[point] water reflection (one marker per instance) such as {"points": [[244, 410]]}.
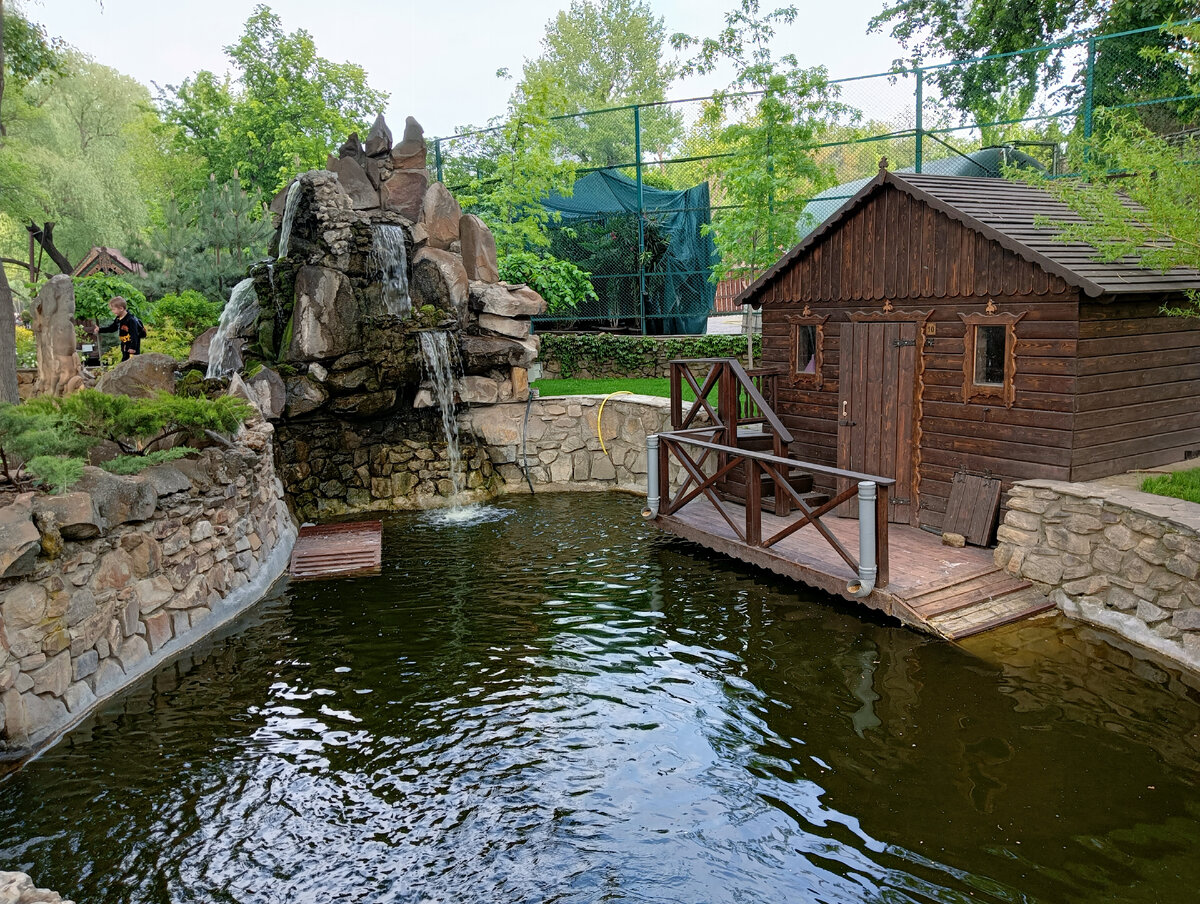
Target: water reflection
{"points": [[561, 705]]}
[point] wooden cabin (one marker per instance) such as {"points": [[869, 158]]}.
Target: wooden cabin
{"points": [[108, 261], [929, 328]]}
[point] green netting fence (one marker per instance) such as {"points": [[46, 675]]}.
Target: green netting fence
{"points": [[651, 175]]}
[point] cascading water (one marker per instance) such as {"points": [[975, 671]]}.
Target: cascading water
{"points": [[439, 360], [240, 311], [289, 216], [390, 260]]}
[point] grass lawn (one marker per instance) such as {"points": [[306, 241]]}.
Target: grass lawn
{"points": [[1180, 485], [651, 386]]}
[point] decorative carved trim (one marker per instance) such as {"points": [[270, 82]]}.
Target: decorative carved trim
{"points": [[976, 392], [892, 317], [797, 377]]}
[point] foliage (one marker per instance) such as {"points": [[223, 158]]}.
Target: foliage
{"points": [[651, 386], [593, 352], [1007, 87], [93, 292], [48, 437], [189, 312], [563, 285], [767, 120], [599, 55], [135, 464], [287, 108], [1178, 484], [168, 340], [1152, 213], [26, 347]]}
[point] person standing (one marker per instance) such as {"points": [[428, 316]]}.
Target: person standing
{"points": [[126, 326]]}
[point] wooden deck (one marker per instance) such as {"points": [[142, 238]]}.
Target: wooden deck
{"points": [[337, 550], [951, 593]]}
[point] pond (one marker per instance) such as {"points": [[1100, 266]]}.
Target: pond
{"points": [[556, 703]]}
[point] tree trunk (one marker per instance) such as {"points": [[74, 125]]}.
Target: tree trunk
{"points": [[45, 237], [8, 325]]}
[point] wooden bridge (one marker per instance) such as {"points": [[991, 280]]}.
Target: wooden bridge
{"points": [[742, 495]]}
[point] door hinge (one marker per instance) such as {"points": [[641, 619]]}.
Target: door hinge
{"points": [[895, 501], [900, 343]]}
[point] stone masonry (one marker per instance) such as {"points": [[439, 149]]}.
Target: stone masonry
{"points": [[130, 573], [1112, 556]]}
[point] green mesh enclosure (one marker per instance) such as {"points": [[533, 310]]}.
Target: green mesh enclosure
{"points": [[598, 230]]}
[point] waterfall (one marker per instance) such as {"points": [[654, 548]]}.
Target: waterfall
{"points": [[390, 260], [439, 360], [289, 214], [239, 313]]}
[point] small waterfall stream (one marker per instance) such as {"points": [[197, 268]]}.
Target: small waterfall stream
{"points": [[390, 259], [439, 360], [289, 215], [239, 312]]}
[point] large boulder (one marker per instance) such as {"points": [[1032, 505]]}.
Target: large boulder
{"points": [[20, 540], [118, 499], [141, 377], [486, 352], [270, 392], [58, 372], [404, 192], [505, 300], [438, 278], [74, 513], [325, 321], [363, 195], [411, 152], [440, 214], [303, 396], [478, 250], [198, 356], [379, 139]]}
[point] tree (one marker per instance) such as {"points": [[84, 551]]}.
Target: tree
{"points": [[600, 54], [767, 120], [286, 110], [1008, 86]]}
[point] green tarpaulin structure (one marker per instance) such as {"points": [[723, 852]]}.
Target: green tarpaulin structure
{"points": [[599, 232]]}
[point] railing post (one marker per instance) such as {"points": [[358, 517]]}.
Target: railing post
{"points": [[664, 474], [653, 482], [881, 535], [677, 395], [753, 471]]}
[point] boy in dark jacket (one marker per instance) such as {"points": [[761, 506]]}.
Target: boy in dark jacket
{"points": [[128, 327]]}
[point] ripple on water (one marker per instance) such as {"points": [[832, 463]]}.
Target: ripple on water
{"points": [[546, 701]]}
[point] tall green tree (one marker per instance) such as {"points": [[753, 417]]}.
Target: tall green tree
{"points": [[767, 120], [285, 109], [1008, 86], [600, 54]]}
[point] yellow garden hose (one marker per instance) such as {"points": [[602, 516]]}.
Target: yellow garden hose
{"points": [[600, 414]]}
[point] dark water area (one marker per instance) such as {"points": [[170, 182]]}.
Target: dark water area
{"points": [[562, 705]]}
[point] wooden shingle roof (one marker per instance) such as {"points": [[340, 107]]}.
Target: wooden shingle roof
{"points": [[1003, 211]]}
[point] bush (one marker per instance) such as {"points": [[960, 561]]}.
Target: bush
{"points": [[168, 340], [93, 292], [564, 286], [26, 348], [627, 355], [189, 312], [48, 438]]}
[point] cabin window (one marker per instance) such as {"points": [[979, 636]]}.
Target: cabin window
{"points": [[990, 356], [807, 338]]}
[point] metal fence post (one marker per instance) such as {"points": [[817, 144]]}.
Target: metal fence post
{"points": [[1088, 88], [437, 158], [920, 117], [641, 214]]}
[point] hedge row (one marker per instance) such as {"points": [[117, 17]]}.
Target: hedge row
{"points": [[607, 355]]}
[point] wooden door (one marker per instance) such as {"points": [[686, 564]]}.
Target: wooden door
{"points": [[877, 389]]}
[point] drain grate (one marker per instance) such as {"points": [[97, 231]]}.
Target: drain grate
{"points": [[337, 550]]}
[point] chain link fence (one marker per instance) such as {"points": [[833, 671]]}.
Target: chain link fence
{"points": [[654, 178]]}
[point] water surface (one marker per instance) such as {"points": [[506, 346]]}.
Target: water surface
{"points": [[555, 703]]}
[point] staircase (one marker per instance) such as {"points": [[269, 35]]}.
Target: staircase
{"points": [[733, 486]]}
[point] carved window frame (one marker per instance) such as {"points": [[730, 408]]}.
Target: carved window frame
{"points": [[796, 376], [988, 393]]}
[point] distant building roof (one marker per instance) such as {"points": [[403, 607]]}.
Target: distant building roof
{"points": [[1003, 211], [107, 260]]}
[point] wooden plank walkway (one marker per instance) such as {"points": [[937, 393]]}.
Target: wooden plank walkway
{"points": [[337, 550], [951, 593]]}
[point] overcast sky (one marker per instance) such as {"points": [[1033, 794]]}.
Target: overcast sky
{"points": [[437, 60]]}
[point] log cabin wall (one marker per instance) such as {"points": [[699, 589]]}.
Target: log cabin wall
{"points": [[896, 252], [1138, 381]]}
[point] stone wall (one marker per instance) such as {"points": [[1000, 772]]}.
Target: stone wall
{"points": [[128, 571], [1112, 556], [562, 445]]}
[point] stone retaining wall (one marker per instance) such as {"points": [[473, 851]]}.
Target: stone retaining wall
{"points": [[116, 578], [561, 443], [1112, 556]]}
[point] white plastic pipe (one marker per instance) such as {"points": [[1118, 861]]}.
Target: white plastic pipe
{"points": [[651, 510], [867, 566]]}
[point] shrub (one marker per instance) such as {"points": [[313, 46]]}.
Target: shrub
{"points": [[564, 286], [93, 292], [627, 355], [189, 312], [168, 340], [26, 348]]}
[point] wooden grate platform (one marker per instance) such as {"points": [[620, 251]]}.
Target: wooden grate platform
{"points": [[337, 550]]}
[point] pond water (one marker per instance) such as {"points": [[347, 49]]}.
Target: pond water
{"points": [[560, 704]]}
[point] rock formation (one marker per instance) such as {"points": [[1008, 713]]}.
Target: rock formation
{"points": [[59, 369]]}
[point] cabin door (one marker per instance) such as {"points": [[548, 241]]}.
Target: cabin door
{"points": [[877, 386]]}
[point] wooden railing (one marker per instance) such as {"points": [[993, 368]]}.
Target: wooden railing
{"points": [[744, 399]]}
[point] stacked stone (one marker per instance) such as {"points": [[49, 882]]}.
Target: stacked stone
{"points": [[127, 570], [18, 888], [1112, 556]]}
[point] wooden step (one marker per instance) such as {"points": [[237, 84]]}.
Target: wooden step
{"points": [[981, 589], [812, 500], [996, 613]]}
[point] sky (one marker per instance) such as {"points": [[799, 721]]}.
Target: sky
{"points": [[438, 62]]}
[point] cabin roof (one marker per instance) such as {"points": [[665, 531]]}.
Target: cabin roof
{"points": [[100, 256], [1003, 211]]}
